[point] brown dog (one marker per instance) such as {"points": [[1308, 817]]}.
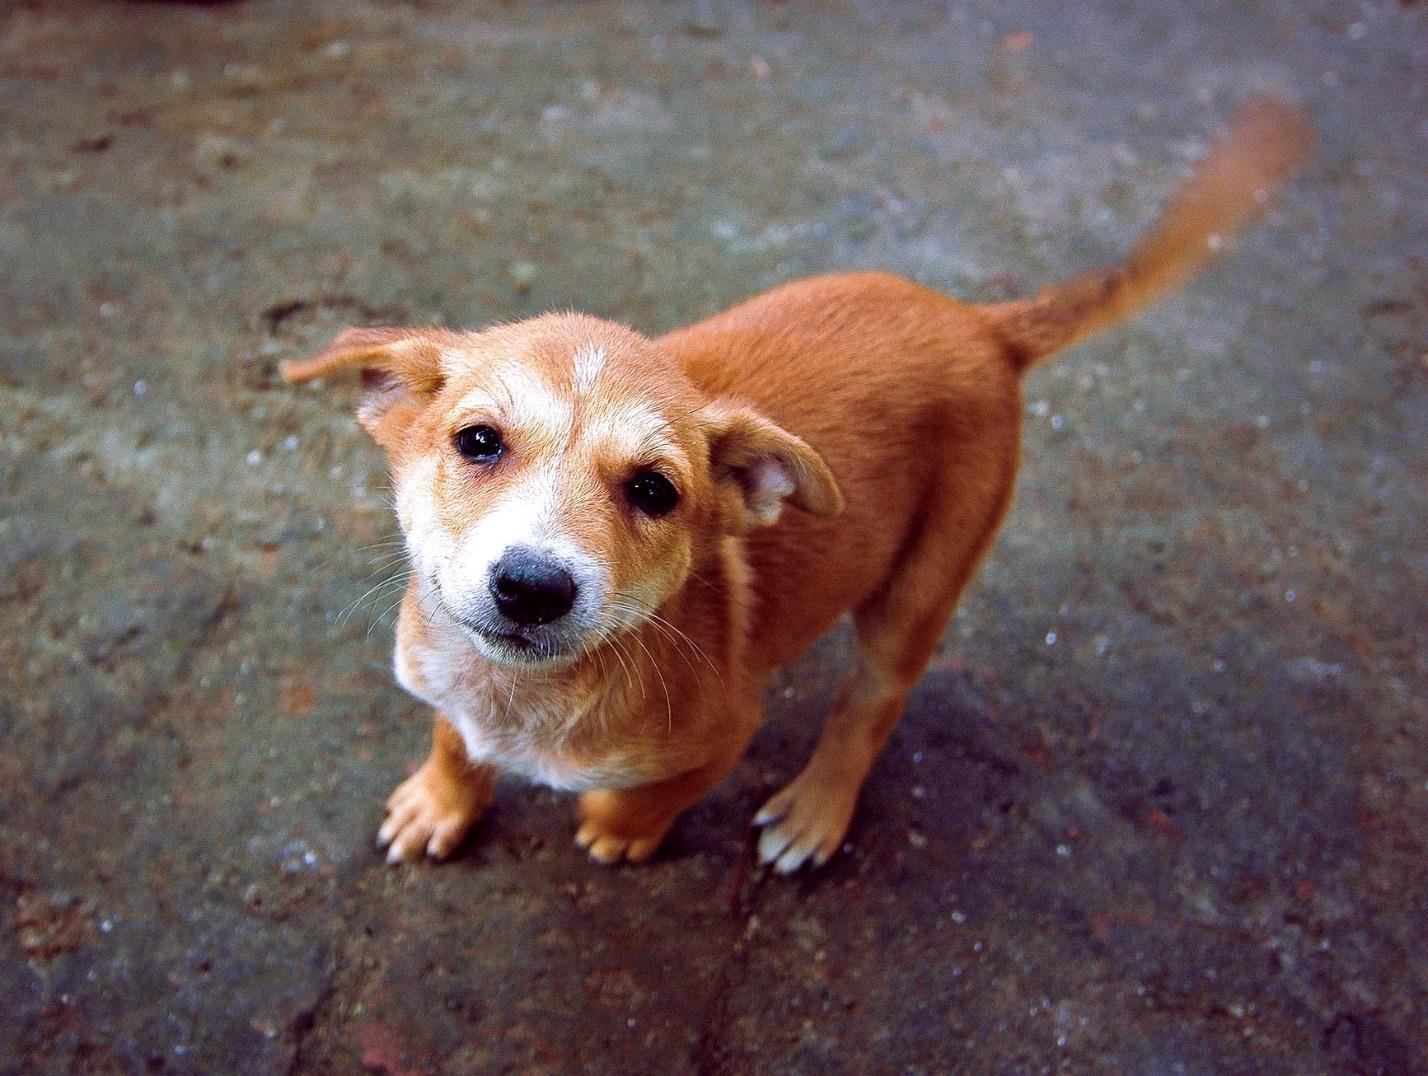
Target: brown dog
{"points": [[614, 540]]}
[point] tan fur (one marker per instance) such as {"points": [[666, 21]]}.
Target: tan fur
{"points": [[845, 443]]}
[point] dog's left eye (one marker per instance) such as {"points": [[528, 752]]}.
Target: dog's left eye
{"points": [[480, 443], [652, 493]]}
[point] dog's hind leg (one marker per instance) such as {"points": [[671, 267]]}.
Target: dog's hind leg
{"points": [[897, 632]]}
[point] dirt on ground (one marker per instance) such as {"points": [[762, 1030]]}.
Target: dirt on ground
{"points": [[1158, 806]]}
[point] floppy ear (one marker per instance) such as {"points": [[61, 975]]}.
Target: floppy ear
{"points": [[399, 367], [767, 466]]}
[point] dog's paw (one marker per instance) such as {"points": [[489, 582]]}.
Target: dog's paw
{"points": [[613, 829], [608, 848], [430, 813], [804, 825]]}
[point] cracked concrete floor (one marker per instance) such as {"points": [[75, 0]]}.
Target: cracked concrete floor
{"points": [[1158, 807]]}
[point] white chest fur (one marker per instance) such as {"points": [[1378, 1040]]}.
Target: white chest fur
{"points": [[505, 721]]}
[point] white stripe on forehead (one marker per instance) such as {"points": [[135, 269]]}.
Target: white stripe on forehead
{"points": [[635, 429], [589, 361]]}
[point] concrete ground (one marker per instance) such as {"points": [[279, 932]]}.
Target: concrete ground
{"points": [[1158, 807]]}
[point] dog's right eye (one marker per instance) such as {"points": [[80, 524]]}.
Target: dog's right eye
{"points": [[480, 443], [652, 493]]}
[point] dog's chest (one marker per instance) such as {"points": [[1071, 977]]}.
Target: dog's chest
{"points": [[509, 725]]}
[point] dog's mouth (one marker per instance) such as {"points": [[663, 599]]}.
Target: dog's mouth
{"points": [[508, 638], [505, 643], [525, 647], [511, 640]]}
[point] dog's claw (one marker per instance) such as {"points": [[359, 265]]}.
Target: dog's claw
{"points": [[427, 816], [787, 853], [772, 843], [613, 828], [610, 849], [804, 824], [768, 813], [794, 858]]}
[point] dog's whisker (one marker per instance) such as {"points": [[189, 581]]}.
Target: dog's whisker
{"points": [[621, 654], [673, 638], [386, 566], [683, 636], [678, 638], [668, 705], [510, 699], [382, 615], [370, 593]]}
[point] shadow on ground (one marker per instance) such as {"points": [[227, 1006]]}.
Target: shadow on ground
{"points": [[1160, 804]]}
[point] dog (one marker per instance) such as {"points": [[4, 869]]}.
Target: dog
{"points": [[614, 540]]}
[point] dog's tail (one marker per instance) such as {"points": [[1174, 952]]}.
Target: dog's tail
{"points": [[1265, 141]]}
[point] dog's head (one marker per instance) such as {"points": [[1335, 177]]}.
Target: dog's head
{"points": [[558, 479]]}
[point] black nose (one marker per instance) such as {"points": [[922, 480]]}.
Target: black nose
{"points": [[530, 588]]}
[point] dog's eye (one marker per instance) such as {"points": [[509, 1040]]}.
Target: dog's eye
{"points": [[652, 493], [480, 443]]}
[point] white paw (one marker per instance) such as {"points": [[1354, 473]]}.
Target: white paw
{"points": [[804, 825]]}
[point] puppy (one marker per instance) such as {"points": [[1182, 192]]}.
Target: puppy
{"points": [[614, 540]]}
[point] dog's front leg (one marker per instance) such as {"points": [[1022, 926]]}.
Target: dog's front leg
{"points": [[629, 823], [433, 810]]}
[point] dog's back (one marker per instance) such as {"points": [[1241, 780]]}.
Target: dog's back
{"points": [[903, 390], [893, 384]]}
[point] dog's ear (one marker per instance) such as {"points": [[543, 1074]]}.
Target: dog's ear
{"points": [[401, 368], [766, 466]]}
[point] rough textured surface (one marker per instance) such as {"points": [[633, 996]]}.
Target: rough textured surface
{"points": [[1160, 806]]}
